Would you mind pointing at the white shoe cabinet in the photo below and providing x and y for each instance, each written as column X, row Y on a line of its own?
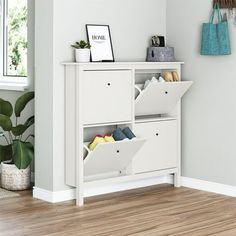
column 100, row 97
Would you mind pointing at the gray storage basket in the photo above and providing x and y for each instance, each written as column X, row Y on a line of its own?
column 160, row 54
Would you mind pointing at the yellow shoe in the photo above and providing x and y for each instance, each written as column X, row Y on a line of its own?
column 109, row 138
column 98, row 139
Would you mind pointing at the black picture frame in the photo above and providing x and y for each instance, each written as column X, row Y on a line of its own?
column 99, row 37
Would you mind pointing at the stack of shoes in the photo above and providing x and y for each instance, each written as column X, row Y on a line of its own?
column 100, row 139
column 125, row 134
column 147, row 82
column 171, row 76
column 153, row 80
column 117, row 135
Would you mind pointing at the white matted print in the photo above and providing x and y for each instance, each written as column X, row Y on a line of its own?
column 99, row 38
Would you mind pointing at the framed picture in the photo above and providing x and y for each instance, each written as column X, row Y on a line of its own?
column 99, row 37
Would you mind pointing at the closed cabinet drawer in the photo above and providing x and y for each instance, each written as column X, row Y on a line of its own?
column 107, row 96
column 160, row 149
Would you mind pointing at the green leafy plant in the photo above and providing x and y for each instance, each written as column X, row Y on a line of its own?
column 17, row 149
column 81, row 45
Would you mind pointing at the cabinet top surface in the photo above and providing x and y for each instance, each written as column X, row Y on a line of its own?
column 121, row 63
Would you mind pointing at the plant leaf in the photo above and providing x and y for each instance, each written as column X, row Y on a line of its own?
column 23, row 154
column 19, row 130
column 5, row 153
column 29, row 122
column 5, row 123
column 22, row 102
column 5, row 108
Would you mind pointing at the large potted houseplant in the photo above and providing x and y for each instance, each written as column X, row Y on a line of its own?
column 17, row 153
column 82, row 51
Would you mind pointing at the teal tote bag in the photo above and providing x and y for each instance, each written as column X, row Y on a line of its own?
column 215, row 37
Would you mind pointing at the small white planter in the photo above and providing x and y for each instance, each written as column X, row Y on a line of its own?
column 82, row 55
column 13, row 178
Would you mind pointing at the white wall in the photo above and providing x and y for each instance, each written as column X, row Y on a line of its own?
column 209, row 109
column 44, row 94
column 132, row 23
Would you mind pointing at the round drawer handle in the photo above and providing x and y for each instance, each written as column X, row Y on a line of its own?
column 109, row 84
column 166, row 92
column 118, row 151
column 157, row 134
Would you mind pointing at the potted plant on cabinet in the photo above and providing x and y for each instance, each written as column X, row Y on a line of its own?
column 82, row 51
column 17, row 153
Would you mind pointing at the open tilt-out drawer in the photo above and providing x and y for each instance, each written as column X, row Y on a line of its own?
column 111, row 157
column 160, row 98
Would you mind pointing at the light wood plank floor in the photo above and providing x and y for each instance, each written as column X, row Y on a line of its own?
column 153, row 211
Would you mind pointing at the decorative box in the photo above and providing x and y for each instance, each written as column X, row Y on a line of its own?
column 160, row 54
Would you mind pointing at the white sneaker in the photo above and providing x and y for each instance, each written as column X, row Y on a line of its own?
column 161, row 80
column 147, row 82
column 154, row 80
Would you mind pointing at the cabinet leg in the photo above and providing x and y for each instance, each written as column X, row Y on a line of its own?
column 79, row 199
column 177, row 180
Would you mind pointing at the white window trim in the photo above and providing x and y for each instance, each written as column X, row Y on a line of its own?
column 9, row 82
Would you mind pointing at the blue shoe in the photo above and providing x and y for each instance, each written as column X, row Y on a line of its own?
column 118, row 135
column 128, row 133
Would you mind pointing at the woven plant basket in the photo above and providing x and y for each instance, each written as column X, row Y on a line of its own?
column 13, row 178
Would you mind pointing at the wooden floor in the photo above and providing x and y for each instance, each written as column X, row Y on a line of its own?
column 155, row 211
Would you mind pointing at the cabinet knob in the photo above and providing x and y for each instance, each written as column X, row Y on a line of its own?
column 166, row 92
column 157, row 134
column 118, row 151
column 109, row 84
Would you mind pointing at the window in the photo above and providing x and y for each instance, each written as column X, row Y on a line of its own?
column 13, row 41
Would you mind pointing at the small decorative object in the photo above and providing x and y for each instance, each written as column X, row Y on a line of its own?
column 158, row 52
column 99, row 37
column 17, row 154
column 158, row 41
column 82, row 51
column 215, row 37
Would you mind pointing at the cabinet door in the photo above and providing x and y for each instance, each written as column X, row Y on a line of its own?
column 160, row 150
column 107, row 96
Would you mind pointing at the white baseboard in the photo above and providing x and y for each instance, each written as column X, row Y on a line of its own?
column 54, row 197
column 60, row 196
column 209, row 186
column 66, row 195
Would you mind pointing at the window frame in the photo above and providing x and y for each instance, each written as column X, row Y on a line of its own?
column 9, row 80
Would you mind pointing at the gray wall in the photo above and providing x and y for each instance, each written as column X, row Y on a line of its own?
column 132, row 23
column 209, row 109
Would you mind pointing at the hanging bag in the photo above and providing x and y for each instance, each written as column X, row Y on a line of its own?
column 215, row 37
